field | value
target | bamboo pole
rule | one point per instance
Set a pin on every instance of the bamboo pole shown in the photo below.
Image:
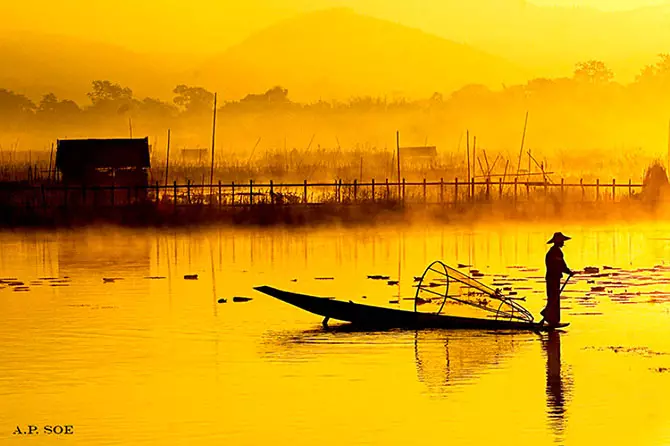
(50, 160)
(467, 149)
(167, 160)
(397, 140)
(211, 170)
(523, 140)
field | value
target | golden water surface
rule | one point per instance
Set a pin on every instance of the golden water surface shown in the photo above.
(153, 359)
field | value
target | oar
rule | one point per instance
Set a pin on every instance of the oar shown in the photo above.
(559, 294)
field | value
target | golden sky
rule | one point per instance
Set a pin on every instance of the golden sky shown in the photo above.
(204, 26)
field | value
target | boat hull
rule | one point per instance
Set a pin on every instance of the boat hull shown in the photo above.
(378, 317)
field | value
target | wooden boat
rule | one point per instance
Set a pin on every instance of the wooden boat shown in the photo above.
(378, 317)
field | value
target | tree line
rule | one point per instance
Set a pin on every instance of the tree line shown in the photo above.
(591, 82)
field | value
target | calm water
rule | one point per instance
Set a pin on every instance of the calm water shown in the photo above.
(158, 361)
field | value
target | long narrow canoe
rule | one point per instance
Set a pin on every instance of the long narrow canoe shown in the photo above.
(378, 317)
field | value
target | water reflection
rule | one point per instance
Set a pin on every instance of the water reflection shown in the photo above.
(449, 358)
(558, 388)
(444, 359)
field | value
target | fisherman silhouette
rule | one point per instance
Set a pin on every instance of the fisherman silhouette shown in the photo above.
(556, 267)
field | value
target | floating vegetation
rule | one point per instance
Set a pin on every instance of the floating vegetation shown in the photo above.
(643, 351)
(111, 279)
(393, 282)
(377, 277)
(598, 289)
(191, 277)
(591, 270)
(586, 314)
(22, 288)
(241, 299)
(155, 277)
(396, 301)
(324, 278)
(222, 301)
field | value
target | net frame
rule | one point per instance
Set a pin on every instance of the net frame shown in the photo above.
(512, 310)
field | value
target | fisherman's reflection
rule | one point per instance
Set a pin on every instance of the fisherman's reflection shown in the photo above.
(558, 387)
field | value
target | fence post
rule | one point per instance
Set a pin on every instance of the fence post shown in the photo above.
(472, 188)
(598, 189)
(581, 184)
(456, 190)
(562, 190)
(174, 195)
(158, 191)
(339, 191)
(188, 191)
(272, 192)
(355, 190)
(424, 191)
(232, 194)
(403, 191)
(488, 188)
(373, 190)
(516, 184)
(613, 190)
(441, 190)
(500, 188)
(630, 188)
(220, 195)
(388, 191)
(304, 192)
(251, 192)
(528, 189)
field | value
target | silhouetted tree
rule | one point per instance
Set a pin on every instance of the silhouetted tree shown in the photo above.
(15, 109)
(50, 105)
(193, 99)
(593, 72)
(658, 74)
(105, 91)
(156, 108)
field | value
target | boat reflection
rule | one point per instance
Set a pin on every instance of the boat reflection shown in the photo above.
(450, 358)
(559, 385)
(443, 358)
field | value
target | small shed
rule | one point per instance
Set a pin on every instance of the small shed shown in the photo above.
(123, 162)
(419, 152)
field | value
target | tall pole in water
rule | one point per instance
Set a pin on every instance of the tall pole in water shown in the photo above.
(211, 170)
(397, 142)
(523, 140)
(467, 149)
(167, 160)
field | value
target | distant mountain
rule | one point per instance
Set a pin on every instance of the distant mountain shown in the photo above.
(337, 53)
(549, 41)
(34, 64)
